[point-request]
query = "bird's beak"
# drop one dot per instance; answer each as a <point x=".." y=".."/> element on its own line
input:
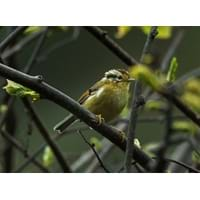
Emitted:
<point x="131" y="79"/>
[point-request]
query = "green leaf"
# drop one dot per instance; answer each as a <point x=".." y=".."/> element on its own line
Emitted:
<point x="143" y="73"/>
<point x="48" y="157"/>
<point x="193" y="86"/>
<point x="122" y="31"/>
<point x="192" y="100"/>
<point x="164" y="32"/>
<point x="184" y="126"/>
<point x="171" y="75"/>
<point x="3" y="108"/>
<point x="195" y="157"/>
<point x="96" y="142"/>
<point x="16" y="89"/>
<point x="33" y="29"/>
<point x="155" y="105"/>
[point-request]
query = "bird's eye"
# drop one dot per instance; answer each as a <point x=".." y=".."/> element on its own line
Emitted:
<point x="119" y="78"/>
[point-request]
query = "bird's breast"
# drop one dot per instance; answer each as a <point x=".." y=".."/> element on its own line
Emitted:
<point x="107" y="101"/>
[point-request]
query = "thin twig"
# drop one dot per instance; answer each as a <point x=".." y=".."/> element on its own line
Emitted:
<point x="137" y="101"/>
<point x="171" y="50"/>
<point x="95" y="152"/>
<point x="11" y="37"/>
<point x="191" y="169"/>
<point x="23" y="150"/>
<point x="21" y="44"/>
<point x="36" y="51"/>
<point x="57" y="152"/>
<point x="106" y="148"/>
<point x="59" y="45"/>
<point x="102" y="36"/>
<point x="161" y="164"/>
<point x="43" y="145"/>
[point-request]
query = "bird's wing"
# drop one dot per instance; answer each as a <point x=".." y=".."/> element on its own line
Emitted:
<point x="90" y="92"/>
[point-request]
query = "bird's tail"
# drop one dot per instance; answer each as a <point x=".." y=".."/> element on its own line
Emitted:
<point x="62" y="125"/>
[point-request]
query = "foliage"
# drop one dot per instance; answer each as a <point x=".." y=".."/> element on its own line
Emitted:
<point x="164" y="32"/>
<point x="18" y="90"/>
<point x="48" y="157"/>
<point x="184" y="126"/>
<point x="96" y="142"/>
<point x="143" y="73"/>
<point x="171" y="75"/>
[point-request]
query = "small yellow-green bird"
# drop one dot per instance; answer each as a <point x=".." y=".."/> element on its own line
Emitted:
<point x="106" y="97"/>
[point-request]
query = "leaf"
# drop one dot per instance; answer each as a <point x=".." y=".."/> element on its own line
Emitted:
<point x="137" y="143"/>
<point x="33" y="29"/>
<point x="122" y="31"/>
<point x="155" y="105"/>
<point x="193" y="86"/>
<point x="164" y="32"/>
<point x="3" y="108"/>
<point x="16" y="89"/>
<point x="148" y="59"/>
<point x="96" y="142"/>
<point x="48" y="157"/>
<point x="192" y="100"/>
<point x="171" y="75"/>
<point x="184" y="126"/>
<point x="195" y="157"/>
<point x="143" y="73"/>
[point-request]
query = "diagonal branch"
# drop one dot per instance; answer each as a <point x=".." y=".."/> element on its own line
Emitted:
<point x="18" y="146"/>
<point x="102" y="36"/>
<point x="51" y="93"/>
<point x="11" y="37"/>
<point x="57" y="152"/>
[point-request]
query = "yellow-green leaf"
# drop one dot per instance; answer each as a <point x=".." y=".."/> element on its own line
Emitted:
<point x="155" y="105"/>
<point x="193" y="86"/>
<point x="16" y="89"/>
<point x="48" y="157"/>
<point x="122" y="31"/>
<point x="3" y="108"/>
<point x="184" y="126"/>
<point x="164" y="32"/>
<point x="171" y="75"/>
<point x="33" y="29"/>
<point x="192" y="100"/>
<point x="195" y="157"/>
<point x="96" y="142"/>
<point x="143" y="73"/>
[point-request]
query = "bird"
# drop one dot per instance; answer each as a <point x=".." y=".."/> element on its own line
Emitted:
<point x="106" y="98"/>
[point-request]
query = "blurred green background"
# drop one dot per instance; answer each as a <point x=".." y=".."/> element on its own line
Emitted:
<point x="75" y="66"/>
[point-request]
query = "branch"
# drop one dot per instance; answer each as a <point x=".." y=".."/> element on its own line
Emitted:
<point x="96" y="154"/>
<point x="181" y="106"/>
<point x="19" y="46"/>
<point x="105" y="150"/>
<point x="36" y="51"/>
<point x="51" y="93"/>
<point x="161" y="164"/>
<point x="42" y="146"/>
<point x="59" y="44"/>
<point x="11" y="37"/>
<point x="137" y="101"/>
<point x="191" y="169"/>
<point x="57" y="152"/>
<point x="111" y="44"/>
<point x="18" y="146"/>
<point x="172" y="48"/>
